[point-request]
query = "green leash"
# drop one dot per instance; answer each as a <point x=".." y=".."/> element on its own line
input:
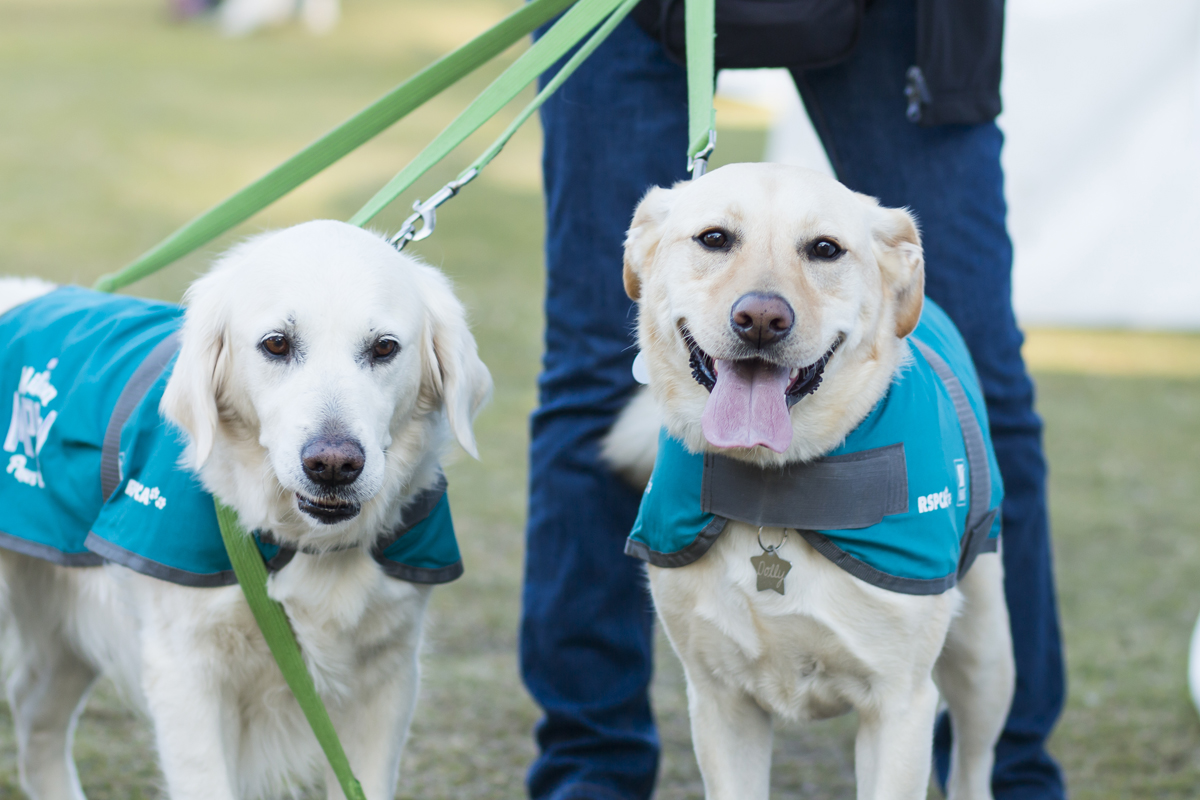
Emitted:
<point x="566" y="33"/>
<point x="343" y="139"/>
<point x="699" y="24"/>
<point x="585" y="16"/>
<point x="273" y="622"/>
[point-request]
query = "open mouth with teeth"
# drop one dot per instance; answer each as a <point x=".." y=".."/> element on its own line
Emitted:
<point x="749" y="399"/>
<point x="327" y="510"/>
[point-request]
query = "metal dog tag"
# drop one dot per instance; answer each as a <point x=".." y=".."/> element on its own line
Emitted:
<point x="771" y="570"/>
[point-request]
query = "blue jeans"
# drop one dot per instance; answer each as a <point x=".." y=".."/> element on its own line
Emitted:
<point x="615" y="129"/>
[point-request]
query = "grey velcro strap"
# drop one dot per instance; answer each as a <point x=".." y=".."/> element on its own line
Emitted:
<point x="855" y="490"/>
<point x="977" y="461"/>
<point x="135" y="389"/>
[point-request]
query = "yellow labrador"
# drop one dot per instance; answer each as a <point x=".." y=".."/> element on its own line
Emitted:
<point x="776" y="309"/>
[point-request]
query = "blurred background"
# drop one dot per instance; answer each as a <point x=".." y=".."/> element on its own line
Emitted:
<point x="122" y="119"/>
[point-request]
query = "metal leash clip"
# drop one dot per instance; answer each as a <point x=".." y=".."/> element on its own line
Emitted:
<point x="426" y="212"/>
<point x="698" y="164"/>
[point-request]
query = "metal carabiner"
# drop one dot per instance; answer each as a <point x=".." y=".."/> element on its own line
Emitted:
<point x="698" y="164"/>
<point x="425" y="212"/>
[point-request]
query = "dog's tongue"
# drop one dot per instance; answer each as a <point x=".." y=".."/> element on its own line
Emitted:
<point x="748" y="406"/>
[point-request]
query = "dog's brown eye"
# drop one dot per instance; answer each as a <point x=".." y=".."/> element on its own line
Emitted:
<point x="825" y="249"/>
<point x="714" y="239"/>
<point x="277" y="345"/>
<point x="385" y="349"/>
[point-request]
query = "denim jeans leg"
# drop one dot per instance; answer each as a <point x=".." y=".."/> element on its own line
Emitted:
<point x="950" y="176"/>
<point x="615" y="129"/>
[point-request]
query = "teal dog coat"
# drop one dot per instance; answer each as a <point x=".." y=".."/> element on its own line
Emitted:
<point x="906" y="503"/>
<point x="91" y="470"/>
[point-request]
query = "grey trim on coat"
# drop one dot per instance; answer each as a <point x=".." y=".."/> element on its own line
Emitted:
<point x="126" y="558"/>
<point x="135" y="389"/>
<point x="684" y="556"/>
<point x="869" y="574"/>
<point x="47" y="553"/>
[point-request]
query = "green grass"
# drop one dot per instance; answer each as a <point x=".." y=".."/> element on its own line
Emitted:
<point x="117" y="126"/>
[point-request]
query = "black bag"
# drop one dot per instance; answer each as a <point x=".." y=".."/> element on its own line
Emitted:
<point x="752" y="34"/>
<point x="956" y="79"/>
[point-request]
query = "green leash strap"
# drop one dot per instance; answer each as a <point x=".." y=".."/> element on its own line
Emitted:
<point x="700" y="29"/>
<point x="425" y="212"/>
<point x="273" y="622"/>
<point x="343" y="139"/>
<point x="550" y="88"/>
<point x="566" y="33"/>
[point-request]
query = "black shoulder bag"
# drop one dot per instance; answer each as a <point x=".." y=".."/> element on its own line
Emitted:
<point x="956" y="77"/>
<point x="763" y="33"/>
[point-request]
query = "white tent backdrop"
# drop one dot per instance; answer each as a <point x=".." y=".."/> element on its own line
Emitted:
<point x="1102" y="118"/>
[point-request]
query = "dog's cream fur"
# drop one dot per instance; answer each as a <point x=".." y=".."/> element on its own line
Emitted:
<point x="226" y="726"/>
<point x="833" y="642"/>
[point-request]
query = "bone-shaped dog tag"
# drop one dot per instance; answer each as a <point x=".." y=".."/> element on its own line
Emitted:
<point x="771" y="570"/>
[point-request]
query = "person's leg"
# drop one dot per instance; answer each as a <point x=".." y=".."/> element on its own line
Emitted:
<point x="616" y="128"/>
<point x="951" y="177"/>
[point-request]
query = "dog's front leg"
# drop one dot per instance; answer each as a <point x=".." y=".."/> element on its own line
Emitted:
<point x="732" y="736"/>
<point x="893" y="750"/>
<point x="196" y="724"/>
<point x="976" y="675"/>
<point x="374" y="729"/>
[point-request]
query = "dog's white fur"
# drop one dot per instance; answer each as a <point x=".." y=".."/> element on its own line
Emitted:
<point x="226" y="726"/>
<point x="833" y="642"/>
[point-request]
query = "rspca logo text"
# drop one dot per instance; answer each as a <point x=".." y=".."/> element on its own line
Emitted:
<point x="932" y="502"/>
<point x="29" y="427"/>
<point x="146" y="495"/>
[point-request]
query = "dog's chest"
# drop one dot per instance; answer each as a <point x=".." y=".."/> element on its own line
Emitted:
<point x="826" y="644"/>
<point x="345" y="612"/>
<point x="356" y="627"/>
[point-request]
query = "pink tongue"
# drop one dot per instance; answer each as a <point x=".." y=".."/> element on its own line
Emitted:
<point x="748" y="406"/>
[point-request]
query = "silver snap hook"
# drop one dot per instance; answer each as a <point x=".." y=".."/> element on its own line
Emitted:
<point x="772" y="548"/>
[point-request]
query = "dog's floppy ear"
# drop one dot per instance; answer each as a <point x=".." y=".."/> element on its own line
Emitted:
<point x="898" y="251"/>
<point x="202" y="367"/>
<point x="644" y="234"/>
<point x="452" y="366"/>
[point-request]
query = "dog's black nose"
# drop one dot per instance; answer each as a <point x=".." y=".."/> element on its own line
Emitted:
<point x="332" y="461"/>
<point x="760" y="319"/>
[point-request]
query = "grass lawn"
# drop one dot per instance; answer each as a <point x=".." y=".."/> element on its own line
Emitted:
<point x="117" y="126"/>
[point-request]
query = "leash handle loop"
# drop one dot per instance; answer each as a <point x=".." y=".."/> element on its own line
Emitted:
<point x="281" y="639"/>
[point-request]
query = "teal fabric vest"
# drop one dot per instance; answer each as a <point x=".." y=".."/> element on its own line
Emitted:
<point x="906" y="503"/>
<point x="91" y="468"/>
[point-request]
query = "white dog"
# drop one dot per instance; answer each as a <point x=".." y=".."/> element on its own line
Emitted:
<point x="775" y="313"/>
<point x="320" y="377"/>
